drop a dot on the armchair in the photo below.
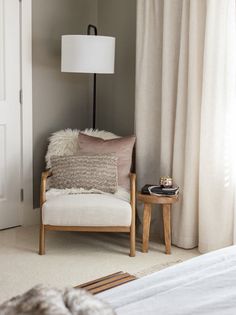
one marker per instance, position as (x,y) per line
(87,213)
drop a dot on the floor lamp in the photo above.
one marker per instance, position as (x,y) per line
(88,54)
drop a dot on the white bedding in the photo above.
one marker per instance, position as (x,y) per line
(202,285)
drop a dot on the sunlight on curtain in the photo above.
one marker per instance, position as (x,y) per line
(185,115)
(217,146)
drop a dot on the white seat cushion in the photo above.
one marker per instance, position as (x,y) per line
(86,210)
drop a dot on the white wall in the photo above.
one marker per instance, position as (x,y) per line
(60,100)
(63,100)
(116,92)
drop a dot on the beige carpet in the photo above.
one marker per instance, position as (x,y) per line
(73,258)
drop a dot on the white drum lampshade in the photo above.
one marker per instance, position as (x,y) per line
(87,54)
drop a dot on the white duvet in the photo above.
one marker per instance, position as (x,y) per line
(202,285)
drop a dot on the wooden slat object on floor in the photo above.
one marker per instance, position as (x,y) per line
(107,282)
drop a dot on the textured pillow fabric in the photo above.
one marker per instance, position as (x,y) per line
(86,171)
(122,147)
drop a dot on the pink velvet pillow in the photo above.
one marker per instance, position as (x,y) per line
(121,147)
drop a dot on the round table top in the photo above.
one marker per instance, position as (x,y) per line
(157,199)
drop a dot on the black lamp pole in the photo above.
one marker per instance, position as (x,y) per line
(90,27)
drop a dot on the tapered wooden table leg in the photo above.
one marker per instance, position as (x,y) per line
(146,225)
(167,227)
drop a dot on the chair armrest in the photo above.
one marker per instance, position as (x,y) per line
(133,191)
(44,177)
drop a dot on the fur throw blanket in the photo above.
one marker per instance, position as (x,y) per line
(45,301)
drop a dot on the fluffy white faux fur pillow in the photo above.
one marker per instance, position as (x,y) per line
(47,301)
(65,142)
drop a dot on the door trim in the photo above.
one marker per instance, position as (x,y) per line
(29,216)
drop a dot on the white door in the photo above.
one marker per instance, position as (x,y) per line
(10,130)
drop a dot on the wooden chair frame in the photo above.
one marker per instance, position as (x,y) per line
(130,229)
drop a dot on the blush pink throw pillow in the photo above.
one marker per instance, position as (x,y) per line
(121,147)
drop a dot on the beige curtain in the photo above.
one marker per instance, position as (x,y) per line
(185,113)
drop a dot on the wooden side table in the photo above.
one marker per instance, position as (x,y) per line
(166,203)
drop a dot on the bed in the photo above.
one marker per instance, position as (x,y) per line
(202,285)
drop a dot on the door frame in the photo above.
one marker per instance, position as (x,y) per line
(28,215)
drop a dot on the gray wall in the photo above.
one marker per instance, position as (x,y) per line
(116,92)
(60,100)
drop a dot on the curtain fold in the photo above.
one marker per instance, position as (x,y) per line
(185,113)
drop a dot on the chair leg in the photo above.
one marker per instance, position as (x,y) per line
(132,241)
(42,240)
